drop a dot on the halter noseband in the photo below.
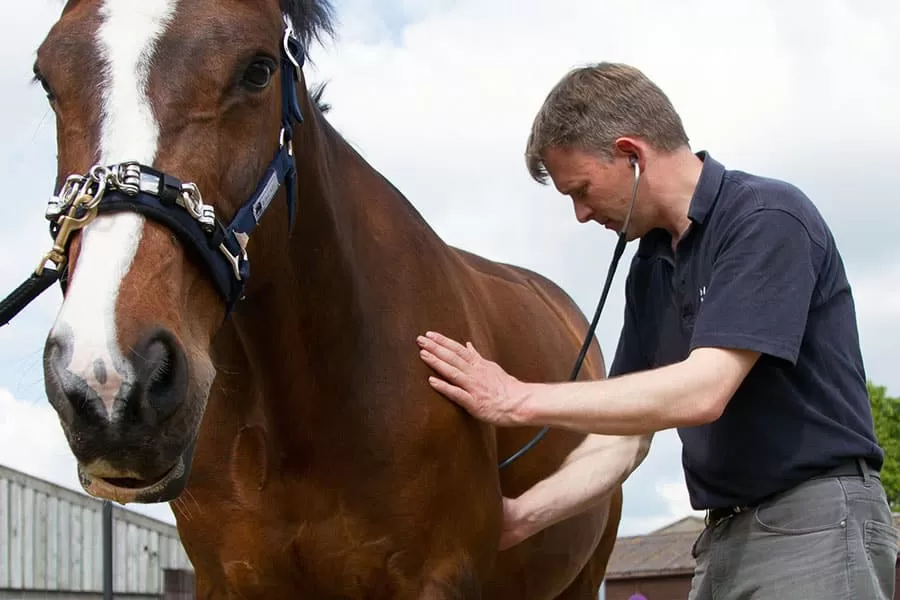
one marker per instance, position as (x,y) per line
(131,186)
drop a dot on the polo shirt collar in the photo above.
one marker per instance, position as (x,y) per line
(658,242)
(707,189)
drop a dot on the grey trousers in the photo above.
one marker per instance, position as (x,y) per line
(828,538)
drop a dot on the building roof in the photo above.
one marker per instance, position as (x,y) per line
(664,552)
(687,524)
(661,553)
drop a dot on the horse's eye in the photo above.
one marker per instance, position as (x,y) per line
(259,73)
(43,83)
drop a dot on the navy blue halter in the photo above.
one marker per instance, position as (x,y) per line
(164,198)
(223,248)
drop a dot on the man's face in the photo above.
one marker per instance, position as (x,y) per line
(600,189)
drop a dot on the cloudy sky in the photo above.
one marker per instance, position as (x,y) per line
(439,96)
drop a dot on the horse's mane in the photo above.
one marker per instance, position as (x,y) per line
(312,19)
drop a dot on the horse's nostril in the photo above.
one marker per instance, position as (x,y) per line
(162,374)
(160,380)
(67,393)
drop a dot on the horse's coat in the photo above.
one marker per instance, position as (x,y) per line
(321,463)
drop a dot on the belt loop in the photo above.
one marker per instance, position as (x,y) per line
(863,470)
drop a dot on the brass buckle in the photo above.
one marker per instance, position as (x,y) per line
(68,224)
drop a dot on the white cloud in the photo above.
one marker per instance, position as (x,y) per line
(677,500)
(878,294)
(655,494)
(442,106)
(32,441)
(676,505)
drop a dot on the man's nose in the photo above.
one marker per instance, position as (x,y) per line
(583,213)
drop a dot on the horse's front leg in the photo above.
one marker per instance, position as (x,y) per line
(452,579)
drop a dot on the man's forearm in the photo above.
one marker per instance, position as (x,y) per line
(633,404)
(687,393)
(587,476)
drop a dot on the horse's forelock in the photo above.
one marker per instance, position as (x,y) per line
(313,20)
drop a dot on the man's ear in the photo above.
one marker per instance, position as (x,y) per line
(630,148)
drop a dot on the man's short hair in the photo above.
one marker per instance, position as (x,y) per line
(592,106)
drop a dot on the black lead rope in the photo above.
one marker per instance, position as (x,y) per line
(617,254)
(23,295)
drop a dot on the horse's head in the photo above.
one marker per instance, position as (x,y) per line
(173,139)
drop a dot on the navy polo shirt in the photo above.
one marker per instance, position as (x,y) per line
(757,269)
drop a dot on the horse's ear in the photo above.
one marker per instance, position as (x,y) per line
(316,93)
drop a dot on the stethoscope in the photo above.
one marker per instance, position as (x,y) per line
(617,254)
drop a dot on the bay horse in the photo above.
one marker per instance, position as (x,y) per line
(286,416)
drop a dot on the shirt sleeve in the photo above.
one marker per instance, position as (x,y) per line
(761,286)
(629,357)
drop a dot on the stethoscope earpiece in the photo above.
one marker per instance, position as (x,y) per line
(637,176)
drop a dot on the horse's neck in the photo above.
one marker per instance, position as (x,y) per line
(301,328)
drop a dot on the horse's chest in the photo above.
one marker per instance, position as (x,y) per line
(256,558)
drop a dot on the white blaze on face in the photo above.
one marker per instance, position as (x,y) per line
(128,131)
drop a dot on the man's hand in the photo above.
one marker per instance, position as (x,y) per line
(515,527)
(521,520)
(480,386)
(585,478)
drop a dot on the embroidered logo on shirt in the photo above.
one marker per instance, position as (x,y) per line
(702,293)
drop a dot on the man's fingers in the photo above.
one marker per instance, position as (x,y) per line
(445,368)
(446,342)
(456,394)
(439,344)
(447,353)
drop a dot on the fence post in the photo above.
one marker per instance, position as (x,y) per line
(107,550)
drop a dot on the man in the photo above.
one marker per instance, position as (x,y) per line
(739,331)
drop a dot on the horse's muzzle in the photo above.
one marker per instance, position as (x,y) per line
(123,491)
(88,391)
(131,426)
